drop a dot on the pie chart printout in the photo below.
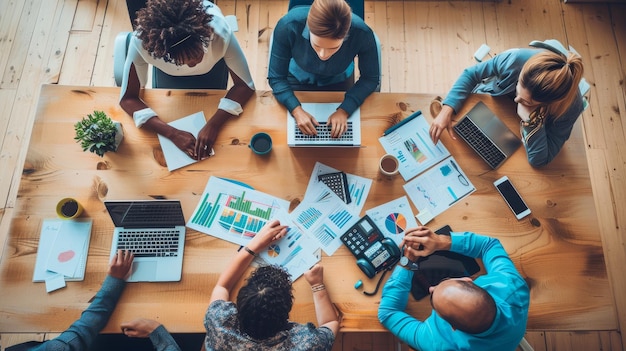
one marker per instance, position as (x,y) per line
(395,223)
(273,250)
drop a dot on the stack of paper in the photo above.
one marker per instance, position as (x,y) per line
(62,252)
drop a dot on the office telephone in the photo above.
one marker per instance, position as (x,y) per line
(374,252)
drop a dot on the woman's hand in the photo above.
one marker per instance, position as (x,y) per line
(315,275)
(305,121)
(442,122)
(271,231)
(339,122)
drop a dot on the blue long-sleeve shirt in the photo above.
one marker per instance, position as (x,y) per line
(81,335)
(291,47)
(498,77)
(502,282)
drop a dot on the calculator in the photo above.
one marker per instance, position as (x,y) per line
(338,183)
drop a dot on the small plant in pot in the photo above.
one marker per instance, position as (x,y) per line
(98,133)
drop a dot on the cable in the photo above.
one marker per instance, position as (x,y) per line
(377,284)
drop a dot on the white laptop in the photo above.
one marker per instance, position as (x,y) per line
(321,112)
(154,230)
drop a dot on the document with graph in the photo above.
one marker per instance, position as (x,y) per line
(236,213)
(325,217)
(410,143)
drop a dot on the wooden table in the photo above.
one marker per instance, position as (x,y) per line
(557,249)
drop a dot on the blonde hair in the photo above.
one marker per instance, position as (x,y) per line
(330,18)
(552,79)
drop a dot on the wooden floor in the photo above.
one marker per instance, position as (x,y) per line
(425,45)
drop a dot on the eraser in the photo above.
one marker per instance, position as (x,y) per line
(358,284)
(482,51)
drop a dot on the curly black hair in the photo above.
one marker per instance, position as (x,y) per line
(264,303)
(174,29)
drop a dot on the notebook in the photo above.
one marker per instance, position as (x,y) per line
(154,230)
(487,135)
(321,112)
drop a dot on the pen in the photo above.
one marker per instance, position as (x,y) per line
(402,122)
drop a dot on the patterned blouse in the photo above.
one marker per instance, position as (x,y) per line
(222,329)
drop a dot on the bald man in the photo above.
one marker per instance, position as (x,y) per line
(488,313)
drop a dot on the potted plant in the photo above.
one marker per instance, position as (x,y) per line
(98,133)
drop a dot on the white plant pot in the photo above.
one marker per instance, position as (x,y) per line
(119,134)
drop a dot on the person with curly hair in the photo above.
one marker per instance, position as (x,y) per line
(313,48)
(260,317)
(184,38)
(543,83)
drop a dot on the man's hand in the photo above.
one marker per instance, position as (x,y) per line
(139,328)
(305,121)
(120,264)
(339,122)
(422,241)
(442,122)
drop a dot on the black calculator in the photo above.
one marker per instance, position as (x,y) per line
(338,183)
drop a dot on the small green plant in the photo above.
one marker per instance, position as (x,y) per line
(96,133)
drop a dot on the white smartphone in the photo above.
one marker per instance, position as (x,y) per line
(512,197)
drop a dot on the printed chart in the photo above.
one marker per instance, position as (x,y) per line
(393,218)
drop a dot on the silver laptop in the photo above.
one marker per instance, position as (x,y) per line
(321,112)
(154,230)
(487,135)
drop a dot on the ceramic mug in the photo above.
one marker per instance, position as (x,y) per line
(69,208)
(261,143)
(389,165)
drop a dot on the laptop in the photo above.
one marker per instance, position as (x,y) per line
(487,135)
(321,112)
(154,230)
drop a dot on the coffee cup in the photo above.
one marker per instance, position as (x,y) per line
(69,208)
(389,165)
(261,143)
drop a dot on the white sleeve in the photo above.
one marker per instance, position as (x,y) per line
(236,61)
(141,66)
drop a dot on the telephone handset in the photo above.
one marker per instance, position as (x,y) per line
(374,252)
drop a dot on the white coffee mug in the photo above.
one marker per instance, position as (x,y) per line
(389,165)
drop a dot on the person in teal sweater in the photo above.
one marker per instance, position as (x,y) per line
(313,48)
(543,83)
(488,313)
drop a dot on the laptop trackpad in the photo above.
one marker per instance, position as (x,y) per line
(144,271)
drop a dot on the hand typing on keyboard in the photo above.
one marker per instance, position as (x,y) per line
(339,123)
(305,121)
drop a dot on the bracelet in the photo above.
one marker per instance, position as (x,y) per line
(318,287)
(247,250)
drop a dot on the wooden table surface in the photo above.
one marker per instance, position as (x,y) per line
(557,248)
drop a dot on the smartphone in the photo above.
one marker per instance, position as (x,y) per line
(512,197)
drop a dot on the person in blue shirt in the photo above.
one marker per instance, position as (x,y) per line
(313,48)
(488,313)
(82,334)
(543,83)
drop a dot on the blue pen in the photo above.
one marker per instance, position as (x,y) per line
(402,122)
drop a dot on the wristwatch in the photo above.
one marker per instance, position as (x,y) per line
(408,264)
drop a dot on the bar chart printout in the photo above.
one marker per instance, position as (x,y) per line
(233,212)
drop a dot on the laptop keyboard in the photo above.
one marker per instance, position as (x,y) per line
(485,148)
(323,134)
(149,243)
